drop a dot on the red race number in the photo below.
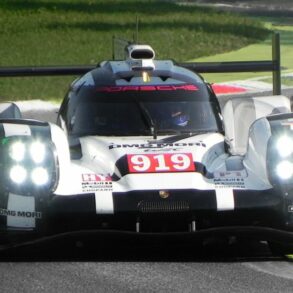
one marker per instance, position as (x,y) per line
(153,163)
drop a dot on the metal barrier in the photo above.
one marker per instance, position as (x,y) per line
(273,66)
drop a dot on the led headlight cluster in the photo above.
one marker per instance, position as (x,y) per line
(281,158)
(28,164)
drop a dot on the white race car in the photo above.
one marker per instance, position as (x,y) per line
(143,146)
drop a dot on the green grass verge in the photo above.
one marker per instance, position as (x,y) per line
(259,51)
(63,32)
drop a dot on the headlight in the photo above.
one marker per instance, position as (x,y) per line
(38,152)
(284,146)
(279,153)
(284,170)
(18,174)
(280,158)
(28,165)
(40,176)
(17,151)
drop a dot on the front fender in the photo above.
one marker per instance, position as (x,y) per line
(24,196)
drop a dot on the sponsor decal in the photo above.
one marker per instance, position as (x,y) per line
(156,145)
(156,163)
(24,214)
(238,183)
(230,179)
(90,177)
(230,174)
(172,150)
(142,88)
(96,182)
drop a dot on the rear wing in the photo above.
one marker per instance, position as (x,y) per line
(119,45)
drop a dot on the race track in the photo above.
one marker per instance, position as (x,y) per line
(114,268)
(96,265)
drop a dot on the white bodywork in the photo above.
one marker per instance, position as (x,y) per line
(92,172)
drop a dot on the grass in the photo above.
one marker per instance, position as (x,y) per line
(259,51)
(65,32)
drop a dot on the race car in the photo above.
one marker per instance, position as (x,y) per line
(145,146)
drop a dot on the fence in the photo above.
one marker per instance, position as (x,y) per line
(273,65)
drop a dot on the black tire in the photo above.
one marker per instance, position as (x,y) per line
(280,249)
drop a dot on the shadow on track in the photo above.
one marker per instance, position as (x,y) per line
(112,248)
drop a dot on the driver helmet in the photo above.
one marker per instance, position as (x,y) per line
(179,117)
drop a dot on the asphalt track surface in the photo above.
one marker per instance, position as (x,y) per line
(119,264)
(126,267)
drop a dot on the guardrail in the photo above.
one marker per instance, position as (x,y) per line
(18,71)
(273,66)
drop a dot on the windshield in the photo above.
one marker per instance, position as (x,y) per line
(132,116)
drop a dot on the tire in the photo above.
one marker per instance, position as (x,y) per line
(281,249)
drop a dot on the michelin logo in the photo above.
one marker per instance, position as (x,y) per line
(24,214)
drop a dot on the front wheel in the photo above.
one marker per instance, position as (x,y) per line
(281,249)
